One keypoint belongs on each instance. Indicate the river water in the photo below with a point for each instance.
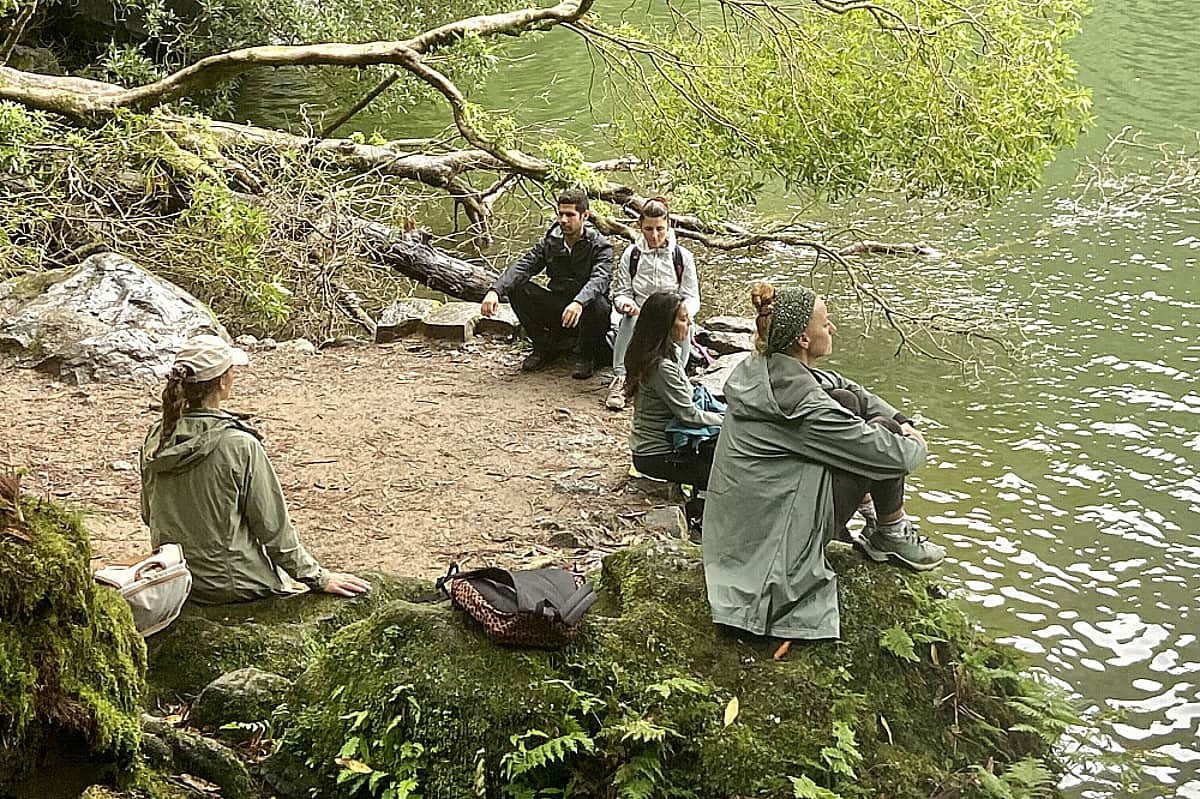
(1064, 482)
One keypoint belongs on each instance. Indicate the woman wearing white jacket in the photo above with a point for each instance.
(654, 262)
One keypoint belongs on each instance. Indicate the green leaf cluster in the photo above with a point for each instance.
(923, 97)
(235, 234)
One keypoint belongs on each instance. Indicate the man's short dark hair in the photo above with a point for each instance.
(575, 197)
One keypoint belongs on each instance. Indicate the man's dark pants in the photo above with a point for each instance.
(540, 312)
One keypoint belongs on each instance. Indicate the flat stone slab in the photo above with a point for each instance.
(730, 324)
(403, 318)
(724, 343)
(715, 376)
(504, 323)
(454, 321)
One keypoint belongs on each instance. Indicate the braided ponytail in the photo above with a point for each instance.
(762, 296)
(178, 396)
(173, 403)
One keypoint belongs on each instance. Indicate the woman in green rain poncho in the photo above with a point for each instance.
(799, 450)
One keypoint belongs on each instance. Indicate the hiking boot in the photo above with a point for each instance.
(915, 552)
(616, 394)
(584, 368)
(536, 361)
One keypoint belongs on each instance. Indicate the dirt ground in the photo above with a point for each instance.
(398, 458)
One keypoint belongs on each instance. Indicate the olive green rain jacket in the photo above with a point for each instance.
(213, 492)
(769, 511)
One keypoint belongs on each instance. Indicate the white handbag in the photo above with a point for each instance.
(155, 587)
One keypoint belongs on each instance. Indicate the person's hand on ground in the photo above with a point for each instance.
(571, 314)
(343, 584)
(490, 304)
(912, 432)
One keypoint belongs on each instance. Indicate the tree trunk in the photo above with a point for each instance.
(410, 255)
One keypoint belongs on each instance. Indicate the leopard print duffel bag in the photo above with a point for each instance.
(535, 607)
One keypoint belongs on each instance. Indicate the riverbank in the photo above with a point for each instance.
(400, 457)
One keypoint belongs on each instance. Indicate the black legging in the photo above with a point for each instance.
(684, 466)
(849, 488)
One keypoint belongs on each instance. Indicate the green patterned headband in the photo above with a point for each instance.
(793, 309)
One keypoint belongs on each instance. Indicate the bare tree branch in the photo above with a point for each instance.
(90, 102)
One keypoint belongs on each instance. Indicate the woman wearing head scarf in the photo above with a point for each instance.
(207, 485)
(791, 467)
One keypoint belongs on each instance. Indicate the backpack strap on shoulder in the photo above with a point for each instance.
(635, 255)
(678, 259)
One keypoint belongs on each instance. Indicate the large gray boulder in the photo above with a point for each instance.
(105, 319)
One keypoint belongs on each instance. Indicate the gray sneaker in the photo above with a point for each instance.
(616, 394)
(915, 552)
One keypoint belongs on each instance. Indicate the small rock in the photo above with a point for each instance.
(454, 321)
(267, 344)
(299, 346)
(731, 324)
(564, 540)
(246, 342)
(403, 317)
(670, 519)
(121, 466)
(724, 342)
(579, 487)
(504, 323)
(341, 341)
(248, 694)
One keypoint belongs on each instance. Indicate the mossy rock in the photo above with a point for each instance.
(72, 665)
(415, 697)
(276, 635)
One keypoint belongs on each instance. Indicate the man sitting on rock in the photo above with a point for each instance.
(578, 260)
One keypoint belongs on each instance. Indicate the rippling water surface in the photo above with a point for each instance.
(1065, 483)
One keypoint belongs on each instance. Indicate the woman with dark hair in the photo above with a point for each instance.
(660, 391)
(792, 465)
(207, 485)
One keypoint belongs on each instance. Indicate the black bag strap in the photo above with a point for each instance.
(578, 604)
(635, 255)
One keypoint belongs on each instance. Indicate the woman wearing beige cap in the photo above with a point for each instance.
(207, 485)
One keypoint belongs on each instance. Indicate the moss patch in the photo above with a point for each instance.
(415, 698)
(276, 635)
(72, 664)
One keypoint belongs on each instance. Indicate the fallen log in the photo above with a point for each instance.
(410, 254)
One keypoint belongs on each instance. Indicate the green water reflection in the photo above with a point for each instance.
(1065, 484)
